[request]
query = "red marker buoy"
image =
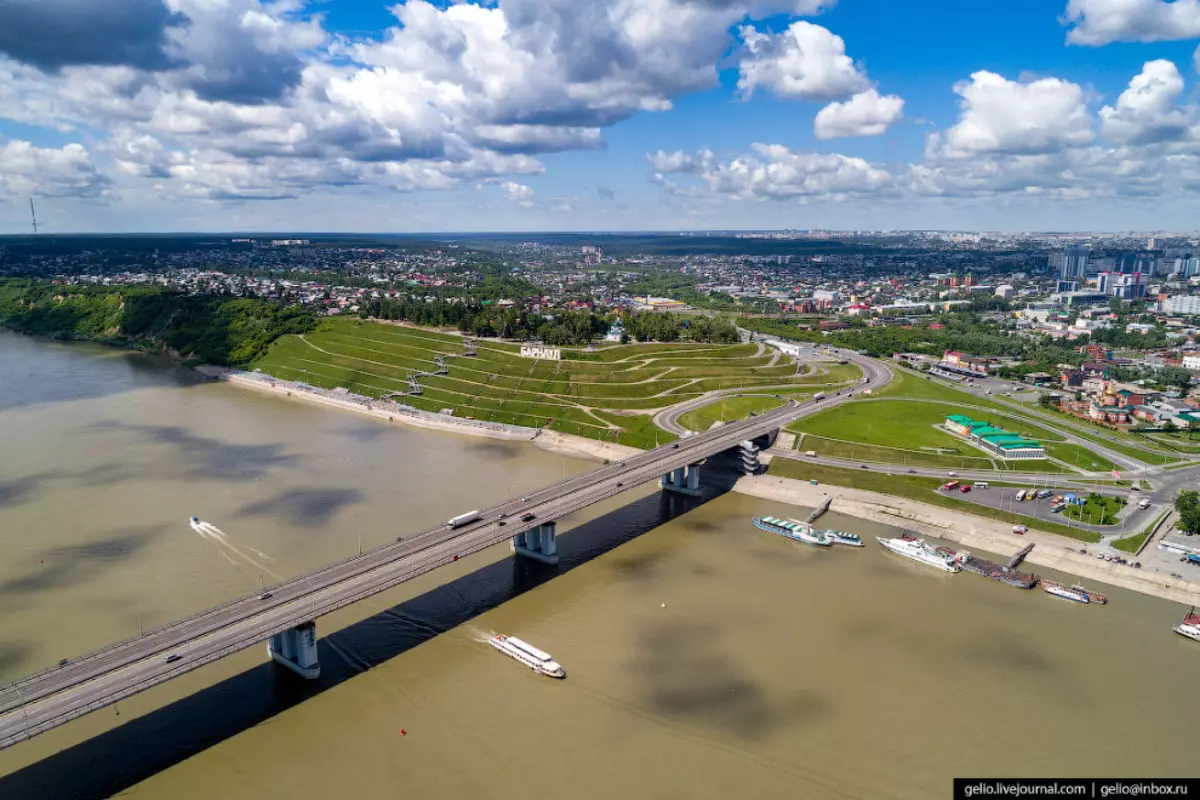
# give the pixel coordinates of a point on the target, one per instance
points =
(403, 732)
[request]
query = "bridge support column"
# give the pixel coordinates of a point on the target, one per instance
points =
(296, 649)
(685, 480)
(539, 543)
(748, 451)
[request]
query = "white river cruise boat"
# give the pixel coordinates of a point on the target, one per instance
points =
(1190, 627)
(921, 551)
(538, 660)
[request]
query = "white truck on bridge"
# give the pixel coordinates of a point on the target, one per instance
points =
(463, 519)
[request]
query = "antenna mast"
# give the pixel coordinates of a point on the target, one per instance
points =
(33, 214)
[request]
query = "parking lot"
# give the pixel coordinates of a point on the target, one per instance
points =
(1131, 519)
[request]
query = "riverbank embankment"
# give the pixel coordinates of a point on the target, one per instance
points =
(1052, 551)
(551, 441)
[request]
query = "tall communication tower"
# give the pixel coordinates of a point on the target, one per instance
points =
(33, 213)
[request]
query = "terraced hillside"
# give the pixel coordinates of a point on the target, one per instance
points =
(608, 393)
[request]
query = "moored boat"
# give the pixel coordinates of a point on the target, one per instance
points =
(921, 551)
(1065, 592)
(797, 531)
(842, 537)
(1190, 627)
(537, 660)
(1093, 597)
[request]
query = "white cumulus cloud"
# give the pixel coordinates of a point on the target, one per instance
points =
(775, 172)
(1099, 22)
(804, 62)
(519, 193)
(1147, 112)
(1003, 116)
(67, 171)
(865, 114)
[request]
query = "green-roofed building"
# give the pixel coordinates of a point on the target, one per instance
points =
(995, 441)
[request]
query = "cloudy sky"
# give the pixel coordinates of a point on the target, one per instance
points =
(360, 115)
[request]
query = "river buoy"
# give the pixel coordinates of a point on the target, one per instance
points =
(664, 605)
(403, 732)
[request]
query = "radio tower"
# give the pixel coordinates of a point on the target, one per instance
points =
(33, 214)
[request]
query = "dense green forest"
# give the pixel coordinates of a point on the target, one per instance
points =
(208, 328)
(484, 319)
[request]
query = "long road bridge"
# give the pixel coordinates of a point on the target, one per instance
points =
(285, 616)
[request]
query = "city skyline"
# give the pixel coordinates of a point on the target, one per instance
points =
(246, 115)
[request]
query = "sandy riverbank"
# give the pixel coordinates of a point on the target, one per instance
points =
(381, 410)
(1052, 551)
(579, 447)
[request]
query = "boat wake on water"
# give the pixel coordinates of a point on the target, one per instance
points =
(229, 549)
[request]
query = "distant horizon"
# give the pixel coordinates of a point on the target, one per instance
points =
(282, 234)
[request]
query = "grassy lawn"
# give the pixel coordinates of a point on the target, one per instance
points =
(1131, 544)
(916, 488)
(1100, 510)
(1078, 456)
(852, 451)
(908, 425)
(907, 383)
(727, 410)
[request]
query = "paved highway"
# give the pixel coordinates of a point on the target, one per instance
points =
(44, 700)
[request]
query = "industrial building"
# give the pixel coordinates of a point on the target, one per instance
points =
(995, 441)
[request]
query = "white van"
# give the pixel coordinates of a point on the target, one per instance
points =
(981, 484)
(1020, 495)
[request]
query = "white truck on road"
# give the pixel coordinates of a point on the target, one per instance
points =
(463, 519)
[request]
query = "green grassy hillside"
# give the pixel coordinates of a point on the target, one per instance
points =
(608, 393)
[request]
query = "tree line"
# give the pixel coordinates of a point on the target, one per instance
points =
(212, 329)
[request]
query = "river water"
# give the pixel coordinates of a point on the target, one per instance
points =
(704, 658)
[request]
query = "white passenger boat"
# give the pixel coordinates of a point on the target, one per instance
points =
(842, 537)
(1190, 627)
(922, 551)
(537, 660)
(1072, 593)
(797, 531)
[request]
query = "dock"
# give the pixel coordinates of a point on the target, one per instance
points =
(1016, 560)
(818, 511)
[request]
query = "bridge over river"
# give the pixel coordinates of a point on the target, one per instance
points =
(285, 616)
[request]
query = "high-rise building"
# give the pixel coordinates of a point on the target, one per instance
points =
(1074, 265)
(1128, 287)
(1102, 282)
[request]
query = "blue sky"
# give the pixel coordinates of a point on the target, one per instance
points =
(356, 115)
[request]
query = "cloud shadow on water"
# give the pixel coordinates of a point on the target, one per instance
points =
(306, 508)
(124, 756)
(74, 564)
(686, 675)
(19, 490)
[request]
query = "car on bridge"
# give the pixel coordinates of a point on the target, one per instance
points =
(171, 659)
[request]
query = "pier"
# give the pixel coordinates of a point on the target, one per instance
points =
(1016, 560)
(818, 511)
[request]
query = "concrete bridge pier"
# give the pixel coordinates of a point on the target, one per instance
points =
(748, 451)
(296, 649)
(539, 543)
(685, 480)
